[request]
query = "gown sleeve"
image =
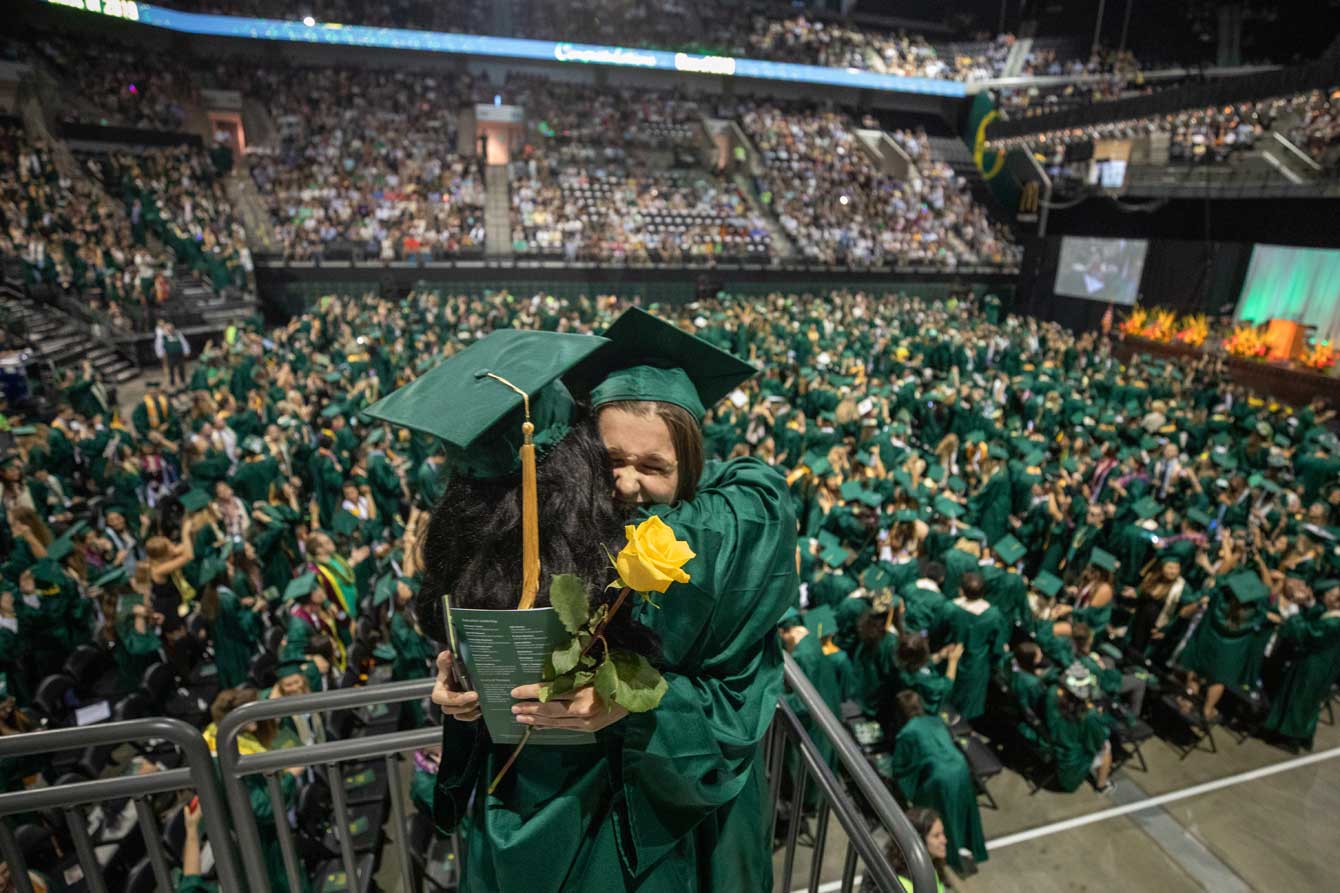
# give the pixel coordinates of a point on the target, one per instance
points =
(721, 659)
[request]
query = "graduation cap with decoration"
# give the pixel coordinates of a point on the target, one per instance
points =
(500, 407)
(1010, 550)
(648, 359)
(821, 621)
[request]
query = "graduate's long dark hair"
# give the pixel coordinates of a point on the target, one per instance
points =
(472, 547)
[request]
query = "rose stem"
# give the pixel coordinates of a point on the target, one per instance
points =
(597, 633)
(618, 603)
(510, 760)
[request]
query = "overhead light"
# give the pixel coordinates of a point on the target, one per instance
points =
(308, 21)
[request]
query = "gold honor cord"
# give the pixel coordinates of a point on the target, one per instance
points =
(530, 512)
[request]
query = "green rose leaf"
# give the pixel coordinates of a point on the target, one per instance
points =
(606, 680)
(561, 685)
(565, 657)
(570, 601)
(639, 686)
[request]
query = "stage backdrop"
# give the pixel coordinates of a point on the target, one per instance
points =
(1301, 284)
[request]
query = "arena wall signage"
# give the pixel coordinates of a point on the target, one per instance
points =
(508, 47)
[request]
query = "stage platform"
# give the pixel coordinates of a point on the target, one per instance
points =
(1287, 384)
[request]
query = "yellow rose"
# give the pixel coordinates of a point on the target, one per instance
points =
(653, 558)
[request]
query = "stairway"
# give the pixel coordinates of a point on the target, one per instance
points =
(246, 198)
(782, 248)
(62, 340)
(497, 212)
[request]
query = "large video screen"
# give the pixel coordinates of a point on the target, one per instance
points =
(1101, 269)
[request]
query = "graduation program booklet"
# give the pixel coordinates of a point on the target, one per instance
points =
(504, 649)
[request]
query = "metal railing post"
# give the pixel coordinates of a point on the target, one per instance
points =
(401, 823)
(867, 781)
(343, 833)
(197, 775)
(153, 844)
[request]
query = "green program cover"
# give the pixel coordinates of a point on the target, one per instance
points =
(502, 650)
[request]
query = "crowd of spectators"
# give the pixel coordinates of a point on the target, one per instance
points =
(69, 236)
(613, 175)
(367, 164)
(1213, 135)
(838, 208)
(118, 85)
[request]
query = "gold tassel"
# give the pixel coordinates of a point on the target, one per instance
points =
(530, 522)
(530, 511)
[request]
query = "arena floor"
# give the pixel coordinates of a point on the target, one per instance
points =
(1268, 826)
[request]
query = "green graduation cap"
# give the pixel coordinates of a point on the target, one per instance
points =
(1323, 586)
(254, 445)
(650, 359)
(817, 462)
(48, 572)
(948, 507)
(1247, 587)
(997, 451)
(1047, 583)
(382, 593)
(345, 523)
(384, 652)
(902, 516)
(474, 401)
(870, 498)
(211, 569)
(114, 577)
(1104, 559)
(64, 544)
(956, 484)
(821, 621)
(789, 619)
(1146, 507)
(834, 556)
(827, 539)
(876, 577)
(194, 500)
(851, 491)
(1010, 550)
(300, 587)
(333, 408)
(1224, 460)
(290, 667)
(1198, 516)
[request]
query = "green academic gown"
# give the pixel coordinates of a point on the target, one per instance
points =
(672, 799)
(984, 637)
(235, 633)
(1313, 637)
(135, 652)
(1074, 742)
(932, 772)
(1225, 652)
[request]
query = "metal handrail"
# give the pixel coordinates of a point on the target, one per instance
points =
(233, 767)
(867, 781)
(198, 774)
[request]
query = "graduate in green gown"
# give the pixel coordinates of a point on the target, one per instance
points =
(1311, 639)
(984, 633)
(931, 771)
(1076, 733)
(1228, 644)
(689, 813)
